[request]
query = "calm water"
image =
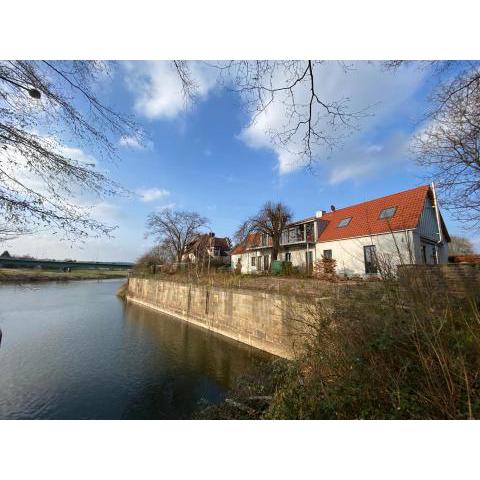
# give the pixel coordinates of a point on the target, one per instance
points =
(73, 350)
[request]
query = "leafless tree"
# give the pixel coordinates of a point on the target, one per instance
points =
(309, 125)
(270, 221)
(49, 113)
(449, 146)
(460, 246)
(157, 255)
(175, 229)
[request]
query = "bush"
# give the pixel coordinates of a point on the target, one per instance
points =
(393, 354)
(324, 269)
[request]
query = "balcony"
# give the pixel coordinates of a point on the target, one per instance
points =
(298, 234)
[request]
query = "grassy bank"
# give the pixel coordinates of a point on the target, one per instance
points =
(396, 354)
(9, 275)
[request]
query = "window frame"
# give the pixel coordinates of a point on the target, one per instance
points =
(347, 219)
(253, 262)
(393, 207)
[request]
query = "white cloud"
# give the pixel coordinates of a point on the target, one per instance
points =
(157, 88)
(366, 85)
(357, 161)
(152, 194)
(130, 141)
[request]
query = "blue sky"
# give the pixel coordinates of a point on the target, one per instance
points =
(208, 158)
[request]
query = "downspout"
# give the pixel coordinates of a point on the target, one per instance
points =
(437, 216)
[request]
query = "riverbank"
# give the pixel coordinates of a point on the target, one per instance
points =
(403, 355)
(11, 275)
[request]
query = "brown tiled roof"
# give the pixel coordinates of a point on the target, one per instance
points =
(365, 216)
(222, 243)
(204, 239)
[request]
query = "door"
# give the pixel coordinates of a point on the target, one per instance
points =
(265, 263)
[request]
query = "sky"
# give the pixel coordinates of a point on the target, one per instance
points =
(209, 157)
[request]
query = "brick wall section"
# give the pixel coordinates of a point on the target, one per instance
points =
(259, 319)
(455, 279)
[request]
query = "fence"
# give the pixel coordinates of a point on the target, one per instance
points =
(455, 279)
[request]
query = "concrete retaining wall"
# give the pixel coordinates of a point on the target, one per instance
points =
(260, 319)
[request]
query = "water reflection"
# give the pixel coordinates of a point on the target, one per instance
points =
(75, 351)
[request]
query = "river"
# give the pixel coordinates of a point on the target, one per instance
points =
(75, 351)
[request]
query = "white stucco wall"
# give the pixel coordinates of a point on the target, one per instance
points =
(298, 255)
(395, 247)
(246, 259)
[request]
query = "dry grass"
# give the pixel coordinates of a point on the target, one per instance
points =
(399, 355)
(387, 352)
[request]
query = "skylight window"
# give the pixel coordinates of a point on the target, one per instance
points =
(344, 222)
(387, 212)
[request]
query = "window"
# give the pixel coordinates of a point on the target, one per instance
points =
(253, 261)
(387, 212)
(424, 253)
(309, 232)
(370, 259)
(288, 257)
(327, 254)
(264, 239)
(344, 222)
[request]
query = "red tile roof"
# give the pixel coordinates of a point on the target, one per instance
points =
(253, 240)
(238, 249)
(365, 219)
(365, 216)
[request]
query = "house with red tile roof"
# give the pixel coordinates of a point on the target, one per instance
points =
(403, 228)
(208, 245)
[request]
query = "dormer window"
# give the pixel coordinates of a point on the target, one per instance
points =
(344, 222)
(387, 212)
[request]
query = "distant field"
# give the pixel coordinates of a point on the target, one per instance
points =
(12, 275)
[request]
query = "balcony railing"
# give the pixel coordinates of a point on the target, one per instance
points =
(298, 234)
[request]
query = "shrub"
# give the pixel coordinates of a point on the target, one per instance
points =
(386, 354)
(325, 268)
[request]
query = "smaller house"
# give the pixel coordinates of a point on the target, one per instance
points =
(208, 246)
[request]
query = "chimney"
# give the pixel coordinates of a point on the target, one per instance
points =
(320, 213)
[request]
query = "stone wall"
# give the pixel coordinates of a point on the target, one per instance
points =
(455, 279)
(260, 319)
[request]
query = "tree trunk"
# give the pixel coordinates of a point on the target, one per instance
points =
(275, 250)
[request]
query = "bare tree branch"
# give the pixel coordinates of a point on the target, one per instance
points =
(175, 229)
(270, 221)
(42, 105)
